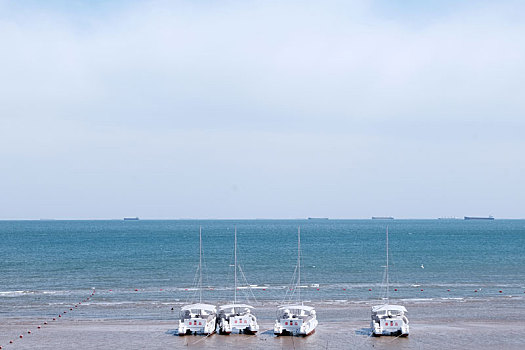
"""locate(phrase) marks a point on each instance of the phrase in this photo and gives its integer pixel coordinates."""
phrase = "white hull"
(396, 325)
(197, 326)
(295, 326)
(242, 324)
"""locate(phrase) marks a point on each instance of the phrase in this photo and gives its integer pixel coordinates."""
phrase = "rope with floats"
(46, 322)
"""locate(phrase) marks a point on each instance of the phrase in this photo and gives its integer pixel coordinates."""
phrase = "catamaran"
(296, 319)
(389, 319)
(198, 318)
(236, 317)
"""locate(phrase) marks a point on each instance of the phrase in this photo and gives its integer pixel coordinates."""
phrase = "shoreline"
(467, 324)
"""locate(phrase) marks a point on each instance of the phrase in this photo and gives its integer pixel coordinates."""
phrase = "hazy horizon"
(277, 109)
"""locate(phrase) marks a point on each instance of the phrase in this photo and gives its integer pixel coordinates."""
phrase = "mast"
(200, 264)
(235, 264)
(299, 261)
(387, 281)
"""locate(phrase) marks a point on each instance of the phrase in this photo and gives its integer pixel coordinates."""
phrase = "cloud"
(318, 104)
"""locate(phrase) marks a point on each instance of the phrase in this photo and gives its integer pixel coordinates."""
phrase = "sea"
(145, 268)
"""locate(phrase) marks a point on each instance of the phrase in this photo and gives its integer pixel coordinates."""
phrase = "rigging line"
(290, 289)
(249, 287)
(206, 337)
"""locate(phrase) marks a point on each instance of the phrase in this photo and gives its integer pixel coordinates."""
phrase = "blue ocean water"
(151, 264)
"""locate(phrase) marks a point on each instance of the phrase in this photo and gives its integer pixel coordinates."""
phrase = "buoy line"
(71, 308)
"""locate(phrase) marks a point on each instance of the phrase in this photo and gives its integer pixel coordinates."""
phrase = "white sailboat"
(236, 317)
(296, 319)
(198, 318)
(389, 319)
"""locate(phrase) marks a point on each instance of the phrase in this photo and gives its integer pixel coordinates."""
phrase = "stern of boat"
(182, 328)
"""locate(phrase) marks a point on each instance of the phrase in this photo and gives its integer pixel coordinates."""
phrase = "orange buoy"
(317, 288)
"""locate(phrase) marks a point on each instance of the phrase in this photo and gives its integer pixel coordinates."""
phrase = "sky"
(261, 109)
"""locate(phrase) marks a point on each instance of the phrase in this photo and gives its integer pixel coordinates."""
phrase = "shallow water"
(47, 264)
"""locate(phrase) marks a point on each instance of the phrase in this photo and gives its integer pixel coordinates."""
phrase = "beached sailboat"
(296, 319)
(389, 319)
(198, 318)
(236, 317)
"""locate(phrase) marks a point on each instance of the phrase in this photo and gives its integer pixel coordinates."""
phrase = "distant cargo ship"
(382, 218)
(317, 218)
(479, 217)
(131, 219)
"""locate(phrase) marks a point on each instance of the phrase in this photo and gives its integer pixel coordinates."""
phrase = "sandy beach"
(480, 324)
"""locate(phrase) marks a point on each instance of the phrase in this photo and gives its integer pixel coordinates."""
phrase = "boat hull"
(197, 326)
(295, 327)
(390, 327)
(243, 324)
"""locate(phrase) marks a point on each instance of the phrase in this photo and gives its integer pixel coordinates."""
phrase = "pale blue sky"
(277, 109)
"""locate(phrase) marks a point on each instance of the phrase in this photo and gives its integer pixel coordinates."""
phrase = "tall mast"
(235, 264)
(387, 281)
(299, 261)
(200, 264)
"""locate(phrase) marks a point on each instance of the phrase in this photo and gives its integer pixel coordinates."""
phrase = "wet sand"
(473, 324)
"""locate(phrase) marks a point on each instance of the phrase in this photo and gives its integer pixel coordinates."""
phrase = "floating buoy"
(317, 288)
(161, 289)
(54, 319)
(136, 290)
(476, 291)
(45, 322)
(21, 336)
(421, 289)
(395, 290)
(76, 305)
(265, 289)
(448, 290)
(28, 332)
(70, 309)
(501, 291)
(344, 288)
(59, 315)
(38, 327)
(10, 342)
(369, 289)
